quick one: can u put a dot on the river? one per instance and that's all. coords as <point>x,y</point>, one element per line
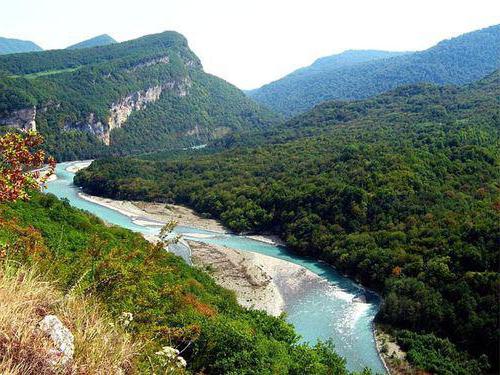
<point>324,311</point>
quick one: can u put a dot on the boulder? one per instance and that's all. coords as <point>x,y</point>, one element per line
<point>63,340</point>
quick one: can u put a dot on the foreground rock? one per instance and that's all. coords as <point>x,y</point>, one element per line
<point>63,340</point>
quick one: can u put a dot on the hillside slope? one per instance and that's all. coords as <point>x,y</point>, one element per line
<point>400,191</point>
<point>142,95</point>
<point>169,302</point>
<point>100,40</point>
<point>327,65</point>
<point>8,46</point>
<point>460,60</point>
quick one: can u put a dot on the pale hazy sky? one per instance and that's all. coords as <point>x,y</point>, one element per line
<point>250,43</point>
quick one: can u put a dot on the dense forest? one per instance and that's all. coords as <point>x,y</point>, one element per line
<point>399,191</point>
<point>360,74</point>
<point>171,303</point>
<point>73,92</point>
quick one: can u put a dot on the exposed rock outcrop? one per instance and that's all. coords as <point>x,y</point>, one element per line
<point>92,125</point>
<point>120,111</point>
<point>63,340</point>
<point>23,119</point>
<point>159,60</point>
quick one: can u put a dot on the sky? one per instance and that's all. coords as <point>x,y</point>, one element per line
<point>250,43</point>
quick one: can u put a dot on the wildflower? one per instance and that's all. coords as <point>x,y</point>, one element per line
<point>169,358</point>
<point>126,318</point>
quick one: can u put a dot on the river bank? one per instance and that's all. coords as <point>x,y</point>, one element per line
<point>391,354</point>
<point>260,282</point>
<point>157,214</point>
<point>318,301</point>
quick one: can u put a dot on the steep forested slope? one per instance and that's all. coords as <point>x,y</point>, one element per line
<point>143,95</point>
<point>400,191</point>
<point>8,46</point>
<point>172,304</point>
<point>100,40</point>
<point>456,61</point>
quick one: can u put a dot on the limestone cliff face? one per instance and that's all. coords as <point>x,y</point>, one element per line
<point>159,60</point>
<point>120,111</point>
<point>23,119</point>
<point>92,125</point>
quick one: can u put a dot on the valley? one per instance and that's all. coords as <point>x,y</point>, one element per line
<point>375,193</point>
<point>343,219</point>
<point>310,288</point>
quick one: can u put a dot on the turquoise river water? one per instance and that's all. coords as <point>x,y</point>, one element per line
<point>325,310</point>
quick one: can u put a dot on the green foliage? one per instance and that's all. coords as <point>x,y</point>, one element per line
<point>172,303</point>
<point>146,46</point>
<point>399,191</point>
<point>438,356</point>
<point>359,75</point>
<point>74,89</point>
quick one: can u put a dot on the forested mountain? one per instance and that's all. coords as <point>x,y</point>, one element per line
<point>142,95</point>
<point>399,191</point>
<point>100,40</point>
<point>328,64</point>
<point>8,46</point>
<point>459,60</point>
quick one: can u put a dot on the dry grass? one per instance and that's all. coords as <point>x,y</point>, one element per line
<point>101,347</point>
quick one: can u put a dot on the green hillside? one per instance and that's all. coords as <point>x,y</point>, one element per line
<point>399,191</point>
<point>8,46</point>
<point>460,60</point>
<point>328,64</point>
<point>142,95</point>
<point>172,304</point>
<point>100,40</point>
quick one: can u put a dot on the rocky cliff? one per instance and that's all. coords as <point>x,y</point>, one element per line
<point>96,102</point>
<point>23,119</point>
<point>120,111</point>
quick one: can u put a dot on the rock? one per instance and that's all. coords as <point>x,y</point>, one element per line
<point>62,338</point>
<point>23,119</point>
<point>120,111</point>
<point>155,61</point>
<point>359,298</point>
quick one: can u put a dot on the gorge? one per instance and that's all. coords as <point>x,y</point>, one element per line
<point>325,309</point>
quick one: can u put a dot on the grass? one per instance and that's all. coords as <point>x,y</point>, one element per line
<point>101,347</point>
<point>46,73</point>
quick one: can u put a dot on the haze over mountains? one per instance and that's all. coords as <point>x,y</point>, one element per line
<point>100,40</point>
<point>358,74</point>
<point>8,45</point>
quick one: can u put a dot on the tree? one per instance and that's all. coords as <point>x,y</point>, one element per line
<point>19,160</point>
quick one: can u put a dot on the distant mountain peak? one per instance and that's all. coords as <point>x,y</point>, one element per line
<point>100,40</point>
<point>353,56</point>
<point>364,73</point>
<point>8,46</point>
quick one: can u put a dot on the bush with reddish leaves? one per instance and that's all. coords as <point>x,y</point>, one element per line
<point>20,156</point>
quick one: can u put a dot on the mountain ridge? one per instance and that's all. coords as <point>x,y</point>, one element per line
<point>97,41</point>
<point>137,96</point>
<point>10,45</point>
<point>335,61</point>
<point>458,60</point>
